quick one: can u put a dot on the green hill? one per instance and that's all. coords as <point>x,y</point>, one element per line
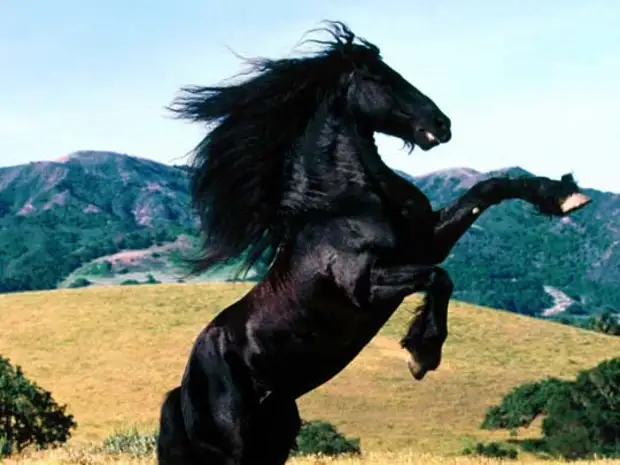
<point>69,219</point>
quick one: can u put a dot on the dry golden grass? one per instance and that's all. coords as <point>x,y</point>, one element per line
<point>83,457</point>
<point>111,353</point>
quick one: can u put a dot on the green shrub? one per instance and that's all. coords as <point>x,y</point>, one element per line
<point>103,269</point>
<point>320,437</point>
<point>5,447</point>
<point>28,414</point>
<point>80,282</point>
<point>605,322</point>
<point>585,420</point>
<point>131,442</point>
<point>581,418</point>
<point>150,279</point>
<point>523,404</point>
<point>493,450</point>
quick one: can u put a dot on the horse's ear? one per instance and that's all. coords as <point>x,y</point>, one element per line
<point>567,178</point>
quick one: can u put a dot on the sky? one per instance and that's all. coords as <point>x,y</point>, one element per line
<point>533,83</point>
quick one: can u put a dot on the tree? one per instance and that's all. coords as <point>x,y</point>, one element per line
<point>520,407</point>
<point>606,323</point>
<point>28,414</point>
<point>581,417</point>
<point>150,279</point>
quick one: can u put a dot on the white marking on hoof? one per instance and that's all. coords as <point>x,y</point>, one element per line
<point>475,210</point>
<point>574,201</point>
<point>416,369</point>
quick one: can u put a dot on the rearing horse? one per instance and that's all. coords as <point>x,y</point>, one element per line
<point>291,174</point>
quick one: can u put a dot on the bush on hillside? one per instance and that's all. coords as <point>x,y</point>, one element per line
<point>320,437</point>
<point>103,268</point>
<point>520,407</point>
<point>131,442</point>
<point>150,279</point>
<point>80,282</point>
<point>581,417</point>
<point>28,414</point>
<point>605,323</point>
<point>492,450</point>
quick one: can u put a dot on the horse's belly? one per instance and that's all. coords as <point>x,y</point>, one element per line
<point>315,371</point>
<point>305,358</point>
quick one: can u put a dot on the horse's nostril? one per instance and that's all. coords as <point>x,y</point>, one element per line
<point>442,123</point>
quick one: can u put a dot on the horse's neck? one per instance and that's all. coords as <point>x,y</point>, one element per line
<point>325,164</point>
<point>335,159</point>
<point>399,193</point>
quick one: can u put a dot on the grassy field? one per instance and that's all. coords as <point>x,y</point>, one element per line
<point>111,353</point>
<point>76,457</point>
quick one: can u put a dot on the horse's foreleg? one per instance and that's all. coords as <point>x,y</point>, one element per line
<point>551,197</point>
<point>429,329</point>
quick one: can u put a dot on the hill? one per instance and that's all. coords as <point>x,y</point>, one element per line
<point>107,218</point>
<point>57,216</point>
<point>111,353</point>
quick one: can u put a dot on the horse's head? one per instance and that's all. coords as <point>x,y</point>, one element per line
<point>389,104</point>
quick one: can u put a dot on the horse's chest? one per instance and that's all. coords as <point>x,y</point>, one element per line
<point>413,238</point>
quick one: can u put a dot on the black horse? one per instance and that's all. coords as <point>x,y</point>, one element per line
<point>291,175</point>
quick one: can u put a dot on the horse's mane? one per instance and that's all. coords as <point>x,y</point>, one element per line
<point>239,178</point>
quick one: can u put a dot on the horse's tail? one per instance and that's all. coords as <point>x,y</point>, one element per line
<point>173,446</point>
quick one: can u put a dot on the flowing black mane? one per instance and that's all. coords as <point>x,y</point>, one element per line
<point>239,181</point>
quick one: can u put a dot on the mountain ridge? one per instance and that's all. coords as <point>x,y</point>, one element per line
<point>56,216</point>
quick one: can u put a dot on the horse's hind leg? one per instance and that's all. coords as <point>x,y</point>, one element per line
<point>205,421</point>
<point>273,432</point>
<point>173,447</point>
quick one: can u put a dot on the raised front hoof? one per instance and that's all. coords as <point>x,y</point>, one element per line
<point>420,366</point>
<point>416,369</point>
<point>574,202</point>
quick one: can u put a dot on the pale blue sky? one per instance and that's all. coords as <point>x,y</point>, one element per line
<point>530,82</point>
